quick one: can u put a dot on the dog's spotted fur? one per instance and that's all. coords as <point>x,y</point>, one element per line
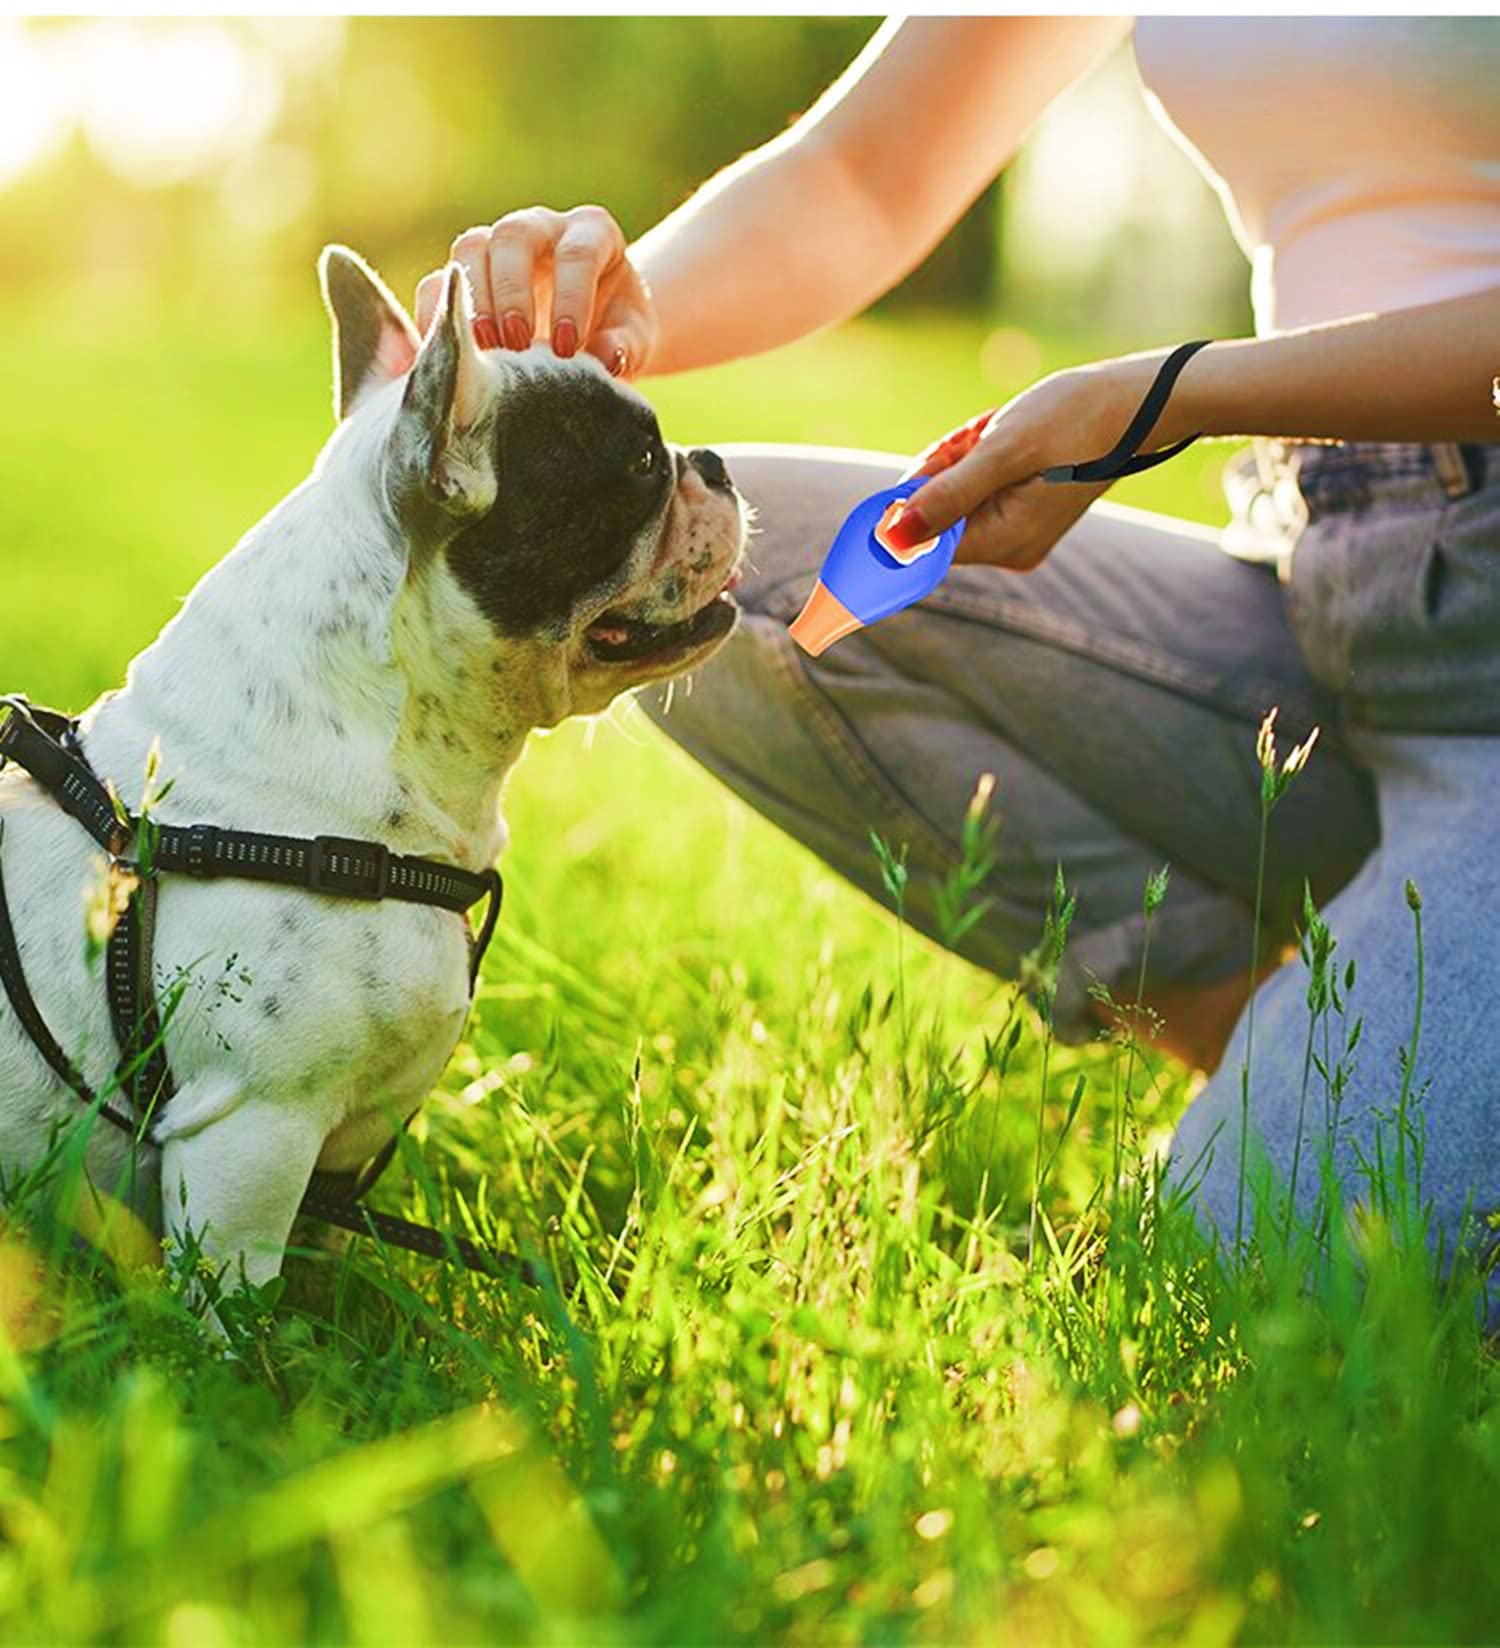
<point>368,662</point>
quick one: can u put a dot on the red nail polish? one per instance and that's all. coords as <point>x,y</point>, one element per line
<point>909,528</point>
<point>517,332</point>
<point>486,333</point>
<point>617,363</point>
<point>565,339</point>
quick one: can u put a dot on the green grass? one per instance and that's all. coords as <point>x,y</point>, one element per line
<point>798,1381</point>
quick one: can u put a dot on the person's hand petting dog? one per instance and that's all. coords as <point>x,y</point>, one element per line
<point>990,468</point>
<point>562,276</point>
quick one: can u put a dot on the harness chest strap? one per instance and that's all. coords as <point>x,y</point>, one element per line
<point>45,743</point>
<point>23,1003</point>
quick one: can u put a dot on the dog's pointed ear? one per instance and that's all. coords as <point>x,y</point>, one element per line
<point>374,342</point>
<point>442,452</point>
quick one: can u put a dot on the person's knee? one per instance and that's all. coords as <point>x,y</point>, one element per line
<point>1194,1021</point>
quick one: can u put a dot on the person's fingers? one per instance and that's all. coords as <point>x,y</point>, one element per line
<point>995,462</point>
<point>519,257</point>
<point>590,245</point>
<point>429,289</point>
<point>931,460</point>
<point>621,349</point>
<point>470,252</point>
<point>1001,533</point>
<point>564,273</point>
<point>989,466</point>
<point>1016,529</point>
<point>623,332</point>
<point>944,453</point>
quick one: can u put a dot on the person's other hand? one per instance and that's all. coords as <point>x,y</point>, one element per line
<point>565,276</point>
<point>989,469</point>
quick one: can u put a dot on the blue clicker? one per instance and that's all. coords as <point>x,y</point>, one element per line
<point>863,580</point>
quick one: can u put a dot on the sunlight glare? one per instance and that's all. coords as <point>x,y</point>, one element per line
<point>162,103</point>
<point>31,122</point>
<point>1075,186</point>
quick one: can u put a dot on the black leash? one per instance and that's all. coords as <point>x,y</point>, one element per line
<point>46,744</point>
<point>1122,460</point>
<point>415,1238</point>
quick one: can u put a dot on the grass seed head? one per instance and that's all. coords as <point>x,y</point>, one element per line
<point>1265,741</point>
<point>1297,760</point>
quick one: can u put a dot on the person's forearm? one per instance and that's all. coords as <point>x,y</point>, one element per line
<point>780,244</point>
<point>1419,375</point>
<point>1424,374</point>
<point>812,227</point>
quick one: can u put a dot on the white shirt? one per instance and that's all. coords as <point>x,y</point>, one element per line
<point>1358,158</point>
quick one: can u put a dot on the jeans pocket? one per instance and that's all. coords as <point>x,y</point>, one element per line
<point>1406,606</point>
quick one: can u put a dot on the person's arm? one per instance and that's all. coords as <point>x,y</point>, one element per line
<point>807,230</point>
<point>1423,374</point>
<point>802,232</point>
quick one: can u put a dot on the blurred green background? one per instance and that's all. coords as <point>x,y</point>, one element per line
<point>144,161</point>
<point>165,187</point>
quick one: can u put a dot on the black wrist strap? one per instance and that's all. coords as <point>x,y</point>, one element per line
<point>1123,460</point>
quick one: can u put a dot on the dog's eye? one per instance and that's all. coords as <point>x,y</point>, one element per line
<point>645,464</point>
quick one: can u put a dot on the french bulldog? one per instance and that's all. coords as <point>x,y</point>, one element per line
<point>490,542</point>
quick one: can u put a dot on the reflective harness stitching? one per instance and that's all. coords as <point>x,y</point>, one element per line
<point>46,744</point>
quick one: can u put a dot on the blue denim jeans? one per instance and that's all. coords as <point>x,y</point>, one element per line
<point>1115,695</point>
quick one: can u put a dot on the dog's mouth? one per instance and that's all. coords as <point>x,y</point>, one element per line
<point>615,638</point>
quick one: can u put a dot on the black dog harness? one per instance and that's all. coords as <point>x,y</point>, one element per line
<point>47,745</point>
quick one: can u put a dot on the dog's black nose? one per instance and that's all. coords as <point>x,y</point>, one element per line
<point>711,467</point>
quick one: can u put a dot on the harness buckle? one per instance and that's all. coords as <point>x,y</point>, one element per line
<point>354,869</point>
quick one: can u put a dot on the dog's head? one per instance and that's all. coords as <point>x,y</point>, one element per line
<point>549,528</point>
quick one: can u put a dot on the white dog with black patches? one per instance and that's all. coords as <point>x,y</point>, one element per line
<point>490,542</point>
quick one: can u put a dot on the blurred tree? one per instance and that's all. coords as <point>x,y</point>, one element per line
<point>394,134</point>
